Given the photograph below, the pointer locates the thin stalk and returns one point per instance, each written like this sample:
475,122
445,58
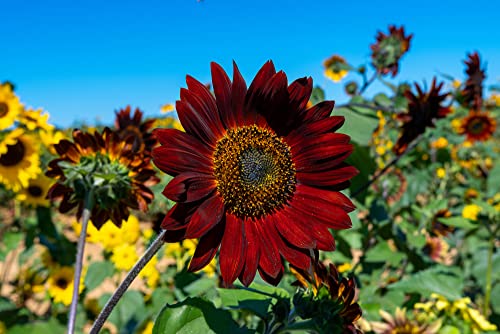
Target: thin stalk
89,203
367,83
489,270
122,288
375,177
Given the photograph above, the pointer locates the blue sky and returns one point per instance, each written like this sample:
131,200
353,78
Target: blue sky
83,60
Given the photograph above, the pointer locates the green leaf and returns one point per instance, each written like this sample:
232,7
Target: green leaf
200,286
360,127
98,272
383,253
246,300
382,100
448,329
458,222
49,327
495,298
432,280
130,308
317,95
493,179
195,315
361,159
10,241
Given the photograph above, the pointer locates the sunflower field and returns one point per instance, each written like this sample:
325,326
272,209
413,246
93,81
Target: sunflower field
260,207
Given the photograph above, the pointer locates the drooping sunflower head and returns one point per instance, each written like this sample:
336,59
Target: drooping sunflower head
35,194
10,106
471,95
333,300
388,50
19,159
109,167
257,173
478,126
133,125
423,109
336,68
401,324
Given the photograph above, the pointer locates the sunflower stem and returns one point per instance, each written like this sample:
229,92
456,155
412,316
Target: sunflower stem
489,269
122,288
367,83
89,203
384,170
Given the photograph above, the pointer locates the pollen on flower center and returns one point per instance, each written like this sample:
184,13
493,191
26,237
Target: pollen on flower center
14,154
254,171
4,109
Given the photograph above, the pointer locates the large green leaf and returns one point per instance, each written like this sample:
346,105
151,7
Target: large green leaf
357,125
10,241
432,280
129,310
195,315
254,302
494,179
98,272
361,159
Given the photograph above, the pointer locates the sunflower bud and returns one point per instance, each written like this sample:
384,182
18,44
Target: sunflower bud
389,49
351,88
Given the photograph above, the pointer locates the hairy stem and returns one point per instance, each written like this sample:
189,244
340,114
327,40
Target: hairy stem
122,288
89,202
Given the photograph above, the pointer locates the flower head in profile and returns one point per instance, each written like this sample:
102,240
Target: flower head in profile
478,126
19,159
256,174
109,167
471,95
336,68
10,106
389,49
423,109
133,125
334,299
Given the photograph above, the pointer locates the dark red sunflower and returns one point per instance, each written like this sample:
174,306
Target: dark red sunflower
423,109
439,229
256,173
472,93
478,126
118,176
128,125
339,307
389,49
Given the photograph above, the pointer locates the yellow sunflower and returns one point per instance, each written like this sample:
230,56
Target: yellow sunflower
19,160
33,119
10,106
335,68
49,138
36,192
124,256
61,285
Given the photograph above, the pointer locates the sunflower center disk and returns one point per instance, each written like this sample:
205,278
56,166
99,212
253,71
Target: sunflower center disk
35,191
4,109
254,171
14,154
476,126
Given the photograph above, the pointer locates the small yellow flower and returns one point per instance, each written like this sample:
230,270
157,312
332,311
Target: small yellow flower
344,267
10,107
440,173
425,157
167,108
471,211
168,122
124,256
496,99
471,193
61,284
333,68
147,233
441,142
456,124
456,83
150,273
380,150
467,144
480,322
148,329
3,329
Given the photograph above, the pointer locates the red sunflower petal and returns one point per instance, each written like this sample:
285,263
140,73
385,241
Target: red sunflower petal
239,92
292,229
232,250
178,216
222,91
178,160
325,196
207,248
270,260
328,178
318,112
208,215
274,280
330,124
189,187
300,258
300,92
252,253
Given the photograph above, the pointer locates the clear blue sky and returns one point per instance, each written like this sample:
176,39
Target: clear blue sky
81,60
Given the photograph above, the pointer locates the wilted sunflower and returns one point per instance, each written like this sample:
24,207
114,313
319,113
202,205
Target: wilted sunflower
35,193
255,173
389,49
472,93
334,303
336,68
107,165
423,109
478,126
10,107
127,125
19,159
400,323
